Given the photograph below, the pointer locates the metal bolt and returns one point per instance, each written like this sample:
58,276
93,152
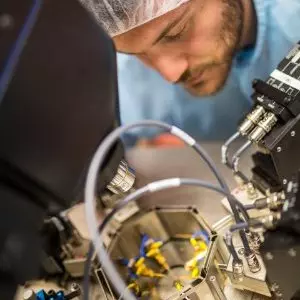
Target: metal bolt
292,252
241,251
6,21
251,191
238,271
269,256
254,241
74,287
293,133
253,263
284,181
212,278
279,149
274,287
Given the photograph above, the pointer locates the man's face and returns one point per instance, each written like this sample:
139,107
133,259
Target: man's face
192,45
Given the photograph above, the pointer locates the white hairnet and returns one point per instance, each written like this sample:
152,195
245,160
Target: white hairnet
119,16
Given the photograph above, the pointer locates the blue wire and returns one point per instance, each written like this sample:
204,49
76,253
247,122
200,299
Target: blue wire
18,47
145,238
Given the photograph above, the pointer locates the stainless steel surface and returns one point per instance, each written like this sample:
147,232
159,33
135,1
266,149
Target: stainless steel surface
174,226
154,164
75,266
215,285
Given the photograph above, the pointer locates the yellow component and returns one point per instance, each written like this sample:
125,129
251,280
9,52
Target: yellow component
195,272
155,253
139,262
178,285
191,264
143,270
134,286
198,245
162,261
200,249
155,245
152,252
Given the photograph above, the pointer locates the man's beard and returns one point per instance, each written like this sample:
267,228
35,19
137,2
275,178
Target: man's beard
229,41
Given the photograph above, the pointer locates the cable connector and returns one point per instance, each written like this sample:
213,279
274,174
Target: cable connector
238,270
273,202
253,263
254,240
269,221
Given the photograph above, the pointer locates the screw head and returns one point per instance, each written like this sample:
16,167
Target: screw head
241,251
293,133
269,256
284,181
292,252
279,149
212,278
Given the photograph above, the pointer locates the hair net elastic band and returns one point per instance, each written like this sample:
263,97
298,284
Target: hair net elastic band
146,20
120,16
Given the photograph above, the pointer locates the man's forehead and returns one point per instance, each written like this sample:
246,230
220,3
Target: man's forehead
142,37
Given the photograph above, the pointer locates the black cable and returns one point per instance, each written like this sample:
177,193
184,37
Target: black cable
245,242
231,249
87,268
249,206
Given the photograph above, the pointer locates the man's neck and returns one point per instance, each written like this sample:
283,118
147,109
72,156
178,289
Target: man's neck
249,31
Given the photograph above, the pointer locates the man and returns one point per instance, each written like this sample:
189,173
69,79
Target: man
212,49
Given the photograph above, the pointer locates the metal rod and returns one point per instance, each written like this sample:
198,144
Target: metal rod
235,160
224,149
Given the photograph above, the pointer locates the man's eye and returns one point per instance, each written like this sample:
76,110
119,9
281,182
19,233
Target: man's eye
175,37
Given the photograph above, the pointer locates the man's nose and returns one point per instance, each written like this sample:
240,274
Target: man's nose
170,67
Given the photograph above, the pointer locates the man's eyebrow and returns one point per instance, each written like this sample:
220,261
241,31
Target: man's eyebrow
162,34
168,28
